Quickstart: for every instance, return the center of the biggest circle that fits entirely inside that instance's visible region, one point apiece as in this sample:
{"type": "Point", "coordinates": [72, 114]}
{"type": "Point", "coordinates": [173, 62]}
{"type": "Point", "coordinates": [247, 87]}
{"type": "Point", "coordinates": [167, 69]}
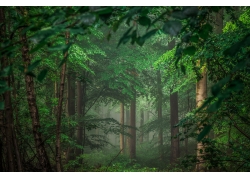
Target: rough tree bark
{"type": "Point", "coordinates": [31, 98]}
{"type": "Point", "coordinates": [59, 111]}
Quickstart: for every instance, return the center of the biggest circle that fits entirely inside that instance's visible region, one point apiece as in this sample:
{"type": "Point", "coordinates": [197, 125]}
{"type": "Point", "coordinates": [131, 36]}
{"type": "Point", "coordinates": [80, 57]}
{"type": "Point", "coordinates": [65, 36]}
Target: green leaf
{"type": "Point", "coordinates": [42, 75]}
{"type": "Point", "coordinates": [194, 39]}
{"type": "Point", "coordinates": [149, 34]}
{"type": "Point", "coordinates": [63, 61]}
{"type": "Point", "coordinates": [218, 86]}
{"type": "Point", "coordinates": [6, 71]}
{"type": "Point", "coordinates": [205, 30]}
{"type": "Point", "coordinates": [189, 50]}
{"type": "Point", "coordinates": [172, 27]}
{"type": "Point", "coordinates": [1, 105]}
{"type": "Point", "coordinates": [183, 69]}
{"type": "Point", "coordinates": [3, 83]}
{"type": "Point", "coordinates": [204, 132]}
{"type": "Point", "coordinates": [106, 10]}
{"type": "Point", "coordinates": [125, 37]}
{"type": "Point", "coordinates": [58, 47]}
{"type": "Point", "coordinates": [39, 46]}
{"type": "Point", "coordinates": [32, 66]}
{"type": "Point", "coordinates": [30, 74]}
{"type": "Point", "coordinates": [144, 21]}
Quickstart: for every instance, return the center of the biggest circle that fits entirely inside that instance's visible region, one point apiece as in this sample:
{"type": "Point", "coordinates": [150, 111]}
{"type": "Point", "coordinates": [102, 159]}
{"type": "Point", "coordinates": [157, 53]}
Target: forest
{"type": "Point", "coordinates": [124, 89]}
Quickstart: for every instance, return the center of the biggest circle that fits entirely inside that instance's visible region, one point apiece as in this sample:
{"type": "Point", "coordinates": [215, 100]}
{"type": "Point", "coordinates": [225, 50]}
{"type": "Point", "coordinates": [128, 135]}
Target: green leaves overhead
{"type": "Point", "coordinates": [172, 27]}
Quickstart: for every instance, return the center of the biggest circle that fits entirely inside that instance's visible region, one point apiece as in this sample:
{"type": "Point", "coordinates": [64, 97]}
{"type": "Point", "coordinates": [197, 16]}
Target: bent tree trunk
{"type": "Point", "coordinates": [31, 98]}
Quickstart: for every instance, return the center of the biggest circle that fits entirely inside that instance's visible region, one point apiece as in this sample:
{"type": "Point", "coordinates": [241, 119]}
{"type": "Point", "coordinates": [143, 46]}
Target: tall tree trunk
{"type": "Point", "coordinates": [175, 152]}
{"type": "Point", "coordinates": [128, 130]}
{"type": "Point", "coordinates": [141, 124]}
{"type": "Point", "coordinates": [8, 112]}
{"type": "Point", "coordinates": [79, 135]}
{"type": "Point", "coordinates": [71, 108]}
{"type": "Point", "coordinates": [201, 95]}
{"type": "Point", "coordinates": [59, 112]}
{"type": "Point", "coordinates": [186, 128]}
{"type": "Point", "coordinates": [31, 98]}
{"type": "Point", "coordinates": [122, 129]}
{"type": "Point", "coordinates": [132, 140]}
{"type": "Point", "coordinates": [159, 112]}
{"type": "Point", "coordinates": [147, 120]}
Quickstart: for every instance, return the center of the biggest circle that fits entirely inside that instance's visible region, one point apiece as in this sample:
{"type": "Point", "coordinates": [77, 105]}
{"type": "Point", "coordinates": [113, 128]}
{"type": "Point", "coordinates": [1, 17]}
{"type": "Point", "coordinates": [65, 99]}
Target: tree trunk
{"type": "Point", "coordinates": [71, 109]}
{"type": "Point", "coordinates": [132, 130]}
{"type": "Point", "coordinates": [201, 95]}
{"type": "Point", "coordinates": [79, 135]}
{"type": "Point", "coordinates": [147, 120]}
{"type": "Point", "coordinates": [175, 152]}
{"type": "Point", "coordinates": [186, 128]}
{"type": "Point", "coordinates": [31, 98]}
{"type": "Point", "coordinates": [59, 112]}
{"type": "Point", "coordinates": [128, 130]}
{"type": "Point", "coordinates": [159, 111]}
{"type": "Point", "coordinates": [141, 124]}
{"type": "Point", "coordinates": [122, 129]}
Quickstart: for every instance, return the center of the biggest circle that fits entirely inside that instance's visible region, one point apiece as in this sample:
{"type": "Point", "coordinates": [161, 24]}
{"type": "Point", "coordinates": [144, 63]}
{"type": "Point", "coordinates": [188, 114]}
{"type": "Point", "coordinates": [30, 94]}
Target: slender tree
{"type": "Point", "coordinates": [132, 140]}
{"type": "Point", "coordinates": [122, 128]}
{"type": "Point", "coordinates": [59, 111]}
{"type": "Point", "coordinates": [175, 151]}
{"type": "Point", "coordinates": [34, 114]}
{"type": "Point", "coordinates": [159, 111]}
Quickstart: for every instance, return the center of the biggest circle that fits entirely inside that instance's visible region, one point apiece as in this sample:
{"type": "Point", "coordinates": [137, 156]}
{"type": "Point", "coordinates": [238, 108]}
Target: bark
{"type": "Point", "coordinates": [132, 130]}
{"type": "Point", "coordinates": [147, 120]}
{"type": "Point", "coordinates": [2, 123]}
{"type": "Point", "coordinates": [31, 98]}
{"type": "Point", "coordinates": [71, 109]}
{"type": "Point", "coordinates": [81, 93]}
{"type": "Point", "coordinates": [219, 22]}
{"type": "Point", "coordinates": [159, 112]}
{"type": "Point", "coordinates": [9, 124]}
{"type": "Point", "coordinates": [128, 130]}
{"type": "Point", "coordinates": [59, 112]}
{"type": "Point", "coordinates": [175, 152]}
{"type": "Point", "coordinates": [18, 156]}
{"type": "Point", "coordinates": [122, 129]}
{"type": "Point", "coordinates": [186, 129]}
{"type": "Point", "coordinates": [201, 95]}
{"type": "Point", "coordinates": [141, 124]}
